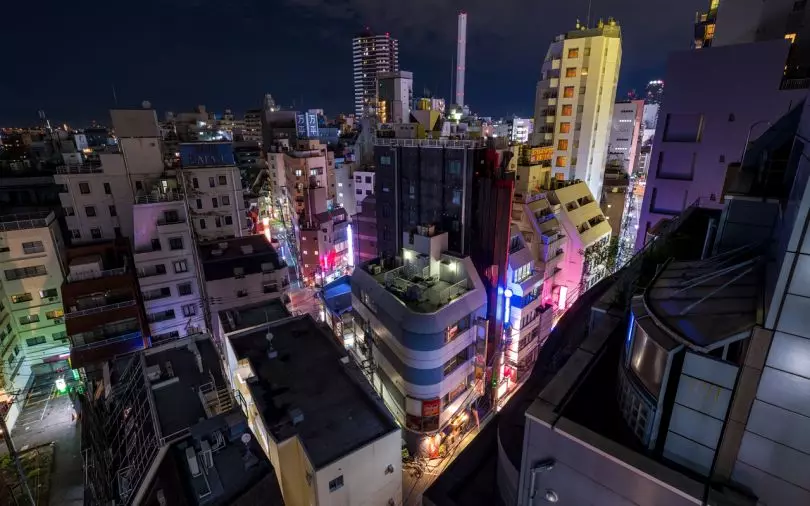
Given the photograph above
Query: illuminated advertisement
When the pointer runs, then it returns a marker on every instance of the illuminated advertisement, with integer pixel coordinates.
(206, 154)
(431, 407)
(306, 125)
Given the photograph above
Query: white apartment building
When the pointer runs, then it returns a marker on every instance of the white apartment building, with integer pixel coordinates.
(371, 56)
(32, 330)
(344, 192)
(574, 101)
(421, 325)
(213, 189)
(363, 186)
(625, 134)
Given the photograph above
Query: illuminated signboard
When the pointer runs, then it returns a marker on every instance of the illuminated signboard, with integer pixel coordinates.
(541, 154)
(206, 154)
(306, 125)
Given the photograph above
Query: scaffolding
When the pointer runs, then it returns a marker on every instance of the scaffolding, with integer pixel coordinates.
(121, 436)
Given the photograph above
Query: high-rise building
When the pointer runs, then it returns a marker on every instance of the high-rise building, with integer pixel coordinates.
(625, 134)
(371, 56)
(654, 93)
(574, 101)
(252, 131)
(704, 124)
(395, 96)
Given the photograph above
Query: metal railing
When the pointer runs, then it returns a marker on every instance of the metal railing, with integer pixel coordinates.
(27, 221)
(163, 222)
(80, 168)
(155, 198)
(99, 309)
(105, 342)
(430, 143)
(84, 276)
(795, 84)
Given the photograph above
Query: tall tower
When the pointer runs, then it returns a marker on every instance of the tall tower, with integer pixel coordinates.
(574, 101)
(461, 57)
(372, 55)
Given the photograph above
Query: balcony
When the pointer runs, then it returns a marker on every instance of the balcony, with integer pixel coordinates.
(80, 168)
(99, 309)
(157, 197)
(84, 276)
(171, 226)
(28, 221)
(83, 354)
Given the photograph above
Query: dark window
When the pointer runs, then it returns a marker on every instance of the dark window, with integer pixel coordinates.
(139, 185)
(33, 247)
(215, 202)
(202, 223)
(195, 183)
(226, 201)
(184, 289)
(199, 203)
(228, 220)
(95, 233)
(29, 319)
(45, 294)
(84, 188)
(107, 189)
(217, 222)
(368, 179)
(113, 211)
(25, 272)
(90, 211)
(176, 243)
(211, 182)
(222, 180)
(336, 484)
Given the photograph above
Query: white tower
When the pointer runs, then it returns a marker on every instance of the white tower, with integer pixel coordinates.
(461, 56)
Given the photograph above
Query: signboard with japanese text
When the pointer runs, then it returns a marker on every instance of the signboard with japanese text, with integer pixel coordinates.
(206, 154)
(306, 125)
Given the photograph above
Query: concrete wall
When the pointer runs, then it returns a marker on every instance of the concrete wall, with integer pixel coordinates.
(367, 480)
(701, 83)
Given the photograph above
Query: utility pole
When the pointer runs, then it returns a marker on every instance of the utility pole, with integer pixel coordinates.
(13, 453)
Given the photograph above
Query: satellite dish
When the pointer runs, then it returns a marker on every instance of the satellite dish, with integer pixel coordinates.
(246, 438)
(146, 104)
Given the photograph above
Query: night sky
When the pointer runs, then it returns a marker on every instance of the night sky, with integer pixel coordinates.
(64, 57)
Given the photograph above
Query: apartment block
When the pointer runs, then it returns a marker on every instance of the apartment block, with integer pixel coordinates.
(326, 433)
(32, 328)
(325, 246)
(625, 134)
(574, 101)
(421, 323)
(104, 312)
(364, 231)
(213, 187)
(240, 272)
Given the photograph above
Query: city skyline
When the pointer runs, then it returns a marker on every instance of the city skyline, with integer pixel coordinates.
(148, 58)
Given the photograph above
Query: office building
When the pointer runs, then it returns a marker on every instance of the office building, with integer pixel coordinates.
(421, 321)
(421, 181)
(325, 431)
(574, 101)
(615, 195)
(371, 56)
(164, 429)
(33, 340)
(104, 311)
(395, 96)
(212, 184)
(625, 134)
(649, 119)
(704, 124)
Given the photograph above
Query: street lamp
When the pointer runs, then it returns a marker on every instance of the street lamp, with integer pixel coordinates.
(748, 137)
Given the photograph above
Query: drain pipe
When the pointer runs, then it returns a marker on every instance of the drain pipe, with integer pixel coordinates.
(711, 230)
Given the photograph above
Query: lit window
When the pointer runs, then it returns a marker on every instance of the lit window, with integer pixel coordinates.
(567, 110)
(571, 72)
(562, 161)
(573, 53)
(562, 144)
(565, 127)
(568, 92)
(584, 71)
(788, 36)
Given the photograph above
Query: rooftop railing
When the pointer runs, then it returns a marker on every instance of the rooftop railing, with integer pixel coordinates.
(84, 276)
(80, 168)
(27, 221)
(154, 198)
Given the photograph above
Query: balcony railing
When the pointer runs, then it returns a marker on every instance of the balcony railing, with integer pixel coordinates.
(163, 222)
(80, 168)
(154, 198)
(84, 276)
(25, 221)
(107, 342)
(99, 309)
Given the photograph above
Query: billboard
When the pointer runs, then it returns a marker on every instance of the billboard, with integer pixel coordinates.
(206, 154)
(306, 125)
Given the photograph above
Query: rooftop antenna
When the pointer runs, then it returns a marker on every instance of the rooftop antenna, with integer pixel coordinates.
(115, 96)
(588, 17)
